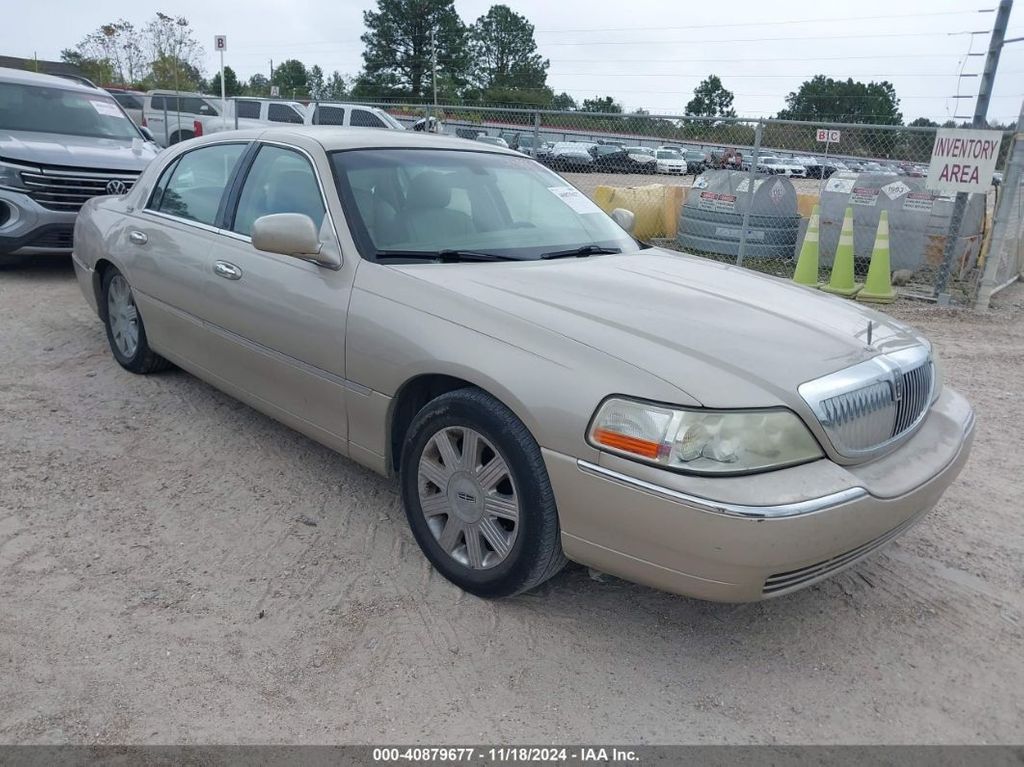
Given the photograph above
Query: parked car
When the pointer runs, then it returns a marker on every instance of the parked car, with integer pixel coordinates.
(815, 168)
(493, 141)
(338, 113)
(678, 148)
(571, 156)
(543, 153)
(671, 163)
(523, 143)
(696, 161)
(61, 143)
(781, 167)
(386, 301)
(611, 158)
(132, 102)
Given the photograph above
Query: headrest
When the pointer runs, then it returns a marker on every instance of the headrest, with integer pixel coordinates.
(429, 189)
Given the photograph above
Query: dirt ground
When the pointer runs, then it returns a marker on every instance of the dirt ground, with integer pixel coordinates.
(175, 567)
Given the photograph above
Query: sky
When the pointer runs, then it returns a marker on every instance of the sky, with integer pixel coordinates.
(647, 54)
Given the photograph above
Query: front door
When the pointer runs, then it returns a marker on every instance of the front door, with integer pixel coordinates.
(279, 321)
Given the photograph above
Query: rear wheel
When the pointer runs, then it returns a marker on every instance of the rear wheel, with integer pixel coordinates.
(125, 332)
(477, 496)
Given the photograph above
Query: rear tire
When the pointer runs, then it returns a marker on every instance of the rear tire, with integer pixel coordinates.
(477, 496)
(126, 333)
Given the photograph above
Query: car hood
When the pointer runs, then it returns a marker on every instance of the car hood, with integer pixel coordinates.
(725, 336)
(76, 151)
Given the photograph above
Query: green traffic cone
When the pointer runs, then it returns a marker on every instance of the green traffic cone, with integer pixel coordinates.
(841, 281)
(807, 264)
(878, 285)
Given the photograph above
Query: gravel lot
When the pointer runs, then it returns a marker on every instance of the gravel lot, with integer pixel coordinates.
(175, 567)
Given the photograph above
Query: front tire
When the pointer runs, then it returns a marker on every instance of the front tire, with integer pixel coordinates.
(126, 333)
(477, 496)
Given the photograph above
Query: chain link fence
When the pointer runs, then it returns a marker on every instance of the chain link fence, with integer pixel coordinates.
(743, 190)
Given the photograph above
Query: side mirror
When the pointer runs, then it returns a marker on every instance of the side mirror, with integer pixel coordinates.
(147, 133)
(291, 234)
(624, 218)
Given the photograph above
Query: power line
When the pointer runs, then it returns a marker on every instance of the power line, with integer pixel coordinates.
(724, 75)
(776, 23)
(773, 39)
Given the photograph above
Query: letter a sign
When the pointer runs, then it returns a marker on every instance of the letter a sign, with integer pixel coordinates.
(963, 160)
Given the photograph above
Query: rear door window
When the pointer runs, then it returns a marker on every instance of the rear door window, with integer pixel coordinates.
(364, 119)
(283, 113)
(329, 116)
(249, 110)
(196, 184)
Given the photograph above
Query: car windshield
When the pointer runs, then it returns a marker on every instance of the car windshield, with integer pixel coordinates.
(58, 110)
(428, 200)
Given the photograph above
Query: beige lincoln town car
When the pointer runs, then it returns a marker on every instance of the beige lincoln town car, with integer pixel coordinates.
(543, 386)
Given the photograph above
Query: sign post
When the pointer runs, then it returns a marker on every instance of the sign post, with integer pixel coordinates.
(220, 43)
(828, 136)
(962, 162)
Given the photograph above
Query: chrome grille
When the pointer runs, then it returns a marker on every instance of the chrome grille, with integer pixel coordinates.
(869, 406)
(67, 189)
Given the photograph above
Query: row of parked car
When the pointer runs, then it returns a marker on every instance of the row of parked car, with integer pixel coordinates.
(607, 156)
(171, 117)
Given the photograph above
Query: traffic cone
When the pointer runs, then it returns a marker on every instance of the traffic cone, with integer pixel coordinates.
(878, 285)
(841, 282)
(807, 264)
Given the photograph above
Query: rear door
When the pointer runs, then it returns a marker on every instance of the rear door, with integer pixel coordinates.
(280, 320)
(166, 244)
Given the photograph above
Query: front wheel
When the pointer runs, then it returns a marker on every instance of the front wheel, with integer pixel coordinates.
(477, 496)
(125, 332)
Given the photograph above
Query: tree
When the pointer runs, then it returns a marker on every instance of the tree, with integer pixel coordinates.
(258, 85)
(117, 46)
(397, 57)
(175, 56)
(823, 99)
(336, 87)
(231, 85)
(97, 70)
(923, 122)
(606, 104)
(292, 78)
(505, 55)
(711, 99)
(564, 102)
(315, 83)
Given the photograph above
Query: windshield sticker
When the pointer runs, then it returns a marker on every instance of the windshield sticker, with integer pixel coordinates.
(574, 198)
(106, 108)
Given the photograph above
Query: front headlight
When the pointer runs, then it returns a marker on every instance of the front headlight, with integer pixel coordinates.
(703, 441)
(10, 175)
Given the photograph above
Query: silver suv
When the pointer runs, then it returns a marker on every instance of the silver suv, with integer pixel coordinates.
(61, 142)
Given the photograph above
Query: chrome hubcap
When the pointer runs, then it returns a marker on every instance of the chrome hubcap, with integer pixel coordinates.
(123, 316)
(468, 497)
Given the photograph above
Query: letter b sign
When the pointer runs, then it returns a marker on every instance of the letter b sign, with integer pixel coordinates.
(220, 42)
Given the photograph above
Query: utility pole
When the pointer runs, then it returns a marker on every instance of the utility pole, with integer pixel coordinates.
(433, 76)
(988, 78)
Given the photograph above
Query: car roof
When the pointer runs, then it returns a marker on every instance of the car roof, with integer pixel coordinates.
(333, 138)
(21, 77)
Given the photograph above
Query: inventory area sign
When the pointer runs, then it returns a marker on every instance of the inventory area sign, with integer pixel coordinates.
(963, 160)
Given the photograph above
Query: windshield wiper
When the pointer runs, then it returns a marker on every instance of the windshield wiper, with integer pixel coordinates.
(446, 256)
(585, 250)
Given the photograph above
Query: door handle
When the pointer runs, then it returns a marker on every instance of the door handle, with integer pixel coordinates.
(226, 270)
(138, 238)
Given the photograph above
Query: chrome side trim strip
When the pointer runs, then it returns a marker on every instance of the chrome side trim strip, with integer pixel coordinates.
(798, 508)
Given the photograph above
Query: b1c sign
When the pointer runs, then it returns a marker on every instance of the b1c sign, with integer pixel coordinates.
(828, 136)
(963, 160)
